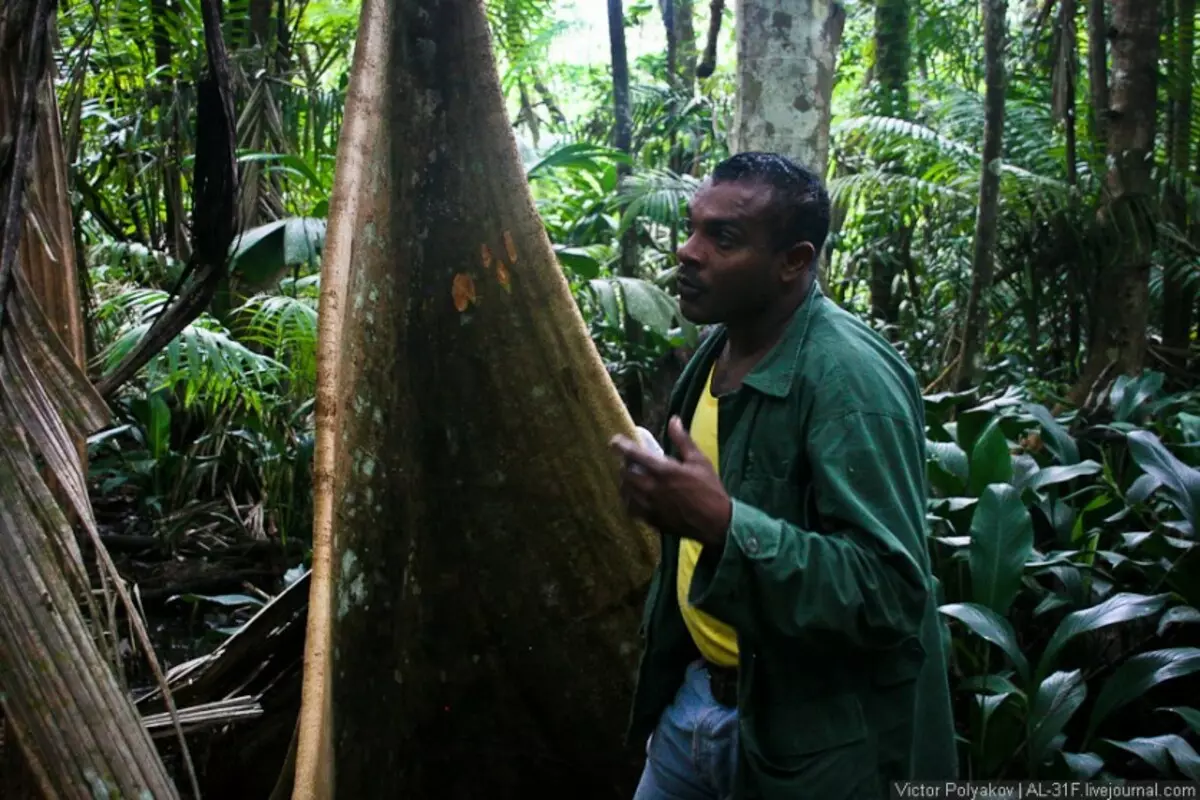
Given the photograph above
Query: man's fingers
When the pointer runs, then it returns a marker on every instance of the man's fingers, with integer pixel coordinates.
(687, 447)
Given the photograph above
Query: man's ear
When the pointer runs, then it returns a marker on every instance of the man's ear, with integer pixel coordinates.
(797, 259)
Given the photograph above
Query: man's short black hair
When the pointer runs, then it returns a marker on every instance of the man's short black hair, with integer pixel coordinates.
(800, 203)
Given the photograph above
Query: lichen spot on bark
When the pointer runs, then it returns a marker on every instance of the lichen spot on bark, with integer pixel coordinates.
(510, 247)
(352, 588)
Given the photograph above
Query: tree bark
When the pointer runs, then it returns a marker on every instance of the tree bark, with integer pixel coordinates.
(680, 21)
(1098, 72)
(477, 586)
(974, 336)
(1178, 298)
(623, 141)
(787, 52)
(891, 74)
(1119, 338)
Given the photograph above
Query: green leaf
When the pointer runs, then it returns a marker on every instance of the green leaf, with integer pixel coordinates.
(645, 302)
(229, 600)
(1189, 715)
(1001, 543)
(949, 470)
(1050, 476)
(1178, 615)
(1140, 674)
(1057, 699)
(990, 626)
(1119, 608)
(1160, 751)
(261, 254)
(1083, 766)
(1141, 489)
(1057, 440)
(1180, 482)
(990, 459)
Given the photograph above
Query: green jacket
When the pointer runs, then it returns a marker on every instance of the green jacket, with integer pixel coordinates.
(825, 574)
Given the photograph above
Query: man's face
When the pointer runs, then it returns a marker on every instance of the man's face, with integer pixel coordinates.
(729, 267)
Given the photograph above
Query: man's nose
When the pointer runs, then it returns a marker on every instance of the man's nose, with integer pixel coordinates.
(688, 252)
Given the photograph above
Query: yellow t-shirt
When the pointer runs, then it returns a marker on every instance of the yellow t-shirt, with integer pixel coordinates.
(716, 640)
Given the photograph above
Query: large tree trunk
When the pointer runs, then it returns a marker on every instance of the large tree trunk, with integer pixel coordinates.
(1119, 339)
(1178, 298)
(974, 330)
(476, 584)
(787, 52)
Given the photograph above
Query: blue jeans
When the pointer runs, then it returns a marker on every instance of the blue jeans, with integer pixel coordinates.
(693, 753)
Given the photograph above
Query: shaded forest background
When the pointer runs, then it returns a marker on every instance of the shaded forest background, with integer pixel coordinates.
(1016, 210)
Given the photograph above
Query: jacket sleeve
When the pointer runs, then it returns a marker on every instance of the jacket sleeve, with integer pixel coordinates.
(859, 578)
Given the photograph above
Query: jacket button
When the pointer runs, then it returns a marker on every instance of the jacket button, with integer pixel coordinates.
(752, 545)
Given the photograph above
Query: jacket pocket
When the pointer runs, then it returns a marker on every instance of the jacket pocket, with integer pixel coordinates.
(817, 749)
(783, 734)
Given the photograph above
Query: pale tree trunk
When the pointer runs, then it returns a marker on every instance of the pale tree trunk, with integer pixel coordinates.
(787, 52)
(60, 698)
(477, 586)
(1179, 299)
(974, 329)
(1119, 338)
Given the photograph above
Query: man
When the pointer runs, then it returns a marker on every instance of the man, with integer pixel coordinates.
(792, 643)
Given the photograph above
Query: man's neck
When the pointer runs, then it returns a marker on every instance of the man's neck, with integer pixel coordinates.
(750, 340)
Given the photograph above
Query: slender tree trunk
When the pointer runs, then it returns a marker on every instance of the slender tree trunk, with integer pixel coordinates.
(1119, 340)
(631, 388)
(787, 51)
(1098, 72)
(1178, 298)
(975, 322)
(476, 586)
(891, 76)
(680, 25)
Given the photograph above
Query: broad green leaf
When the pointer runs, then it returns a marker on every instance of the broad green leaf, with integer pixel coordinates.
(261, 254)
(990, 459)
(1140, 674)
(1057, 440)
(1048, 476)
(1119, 608)
(1083, 766)
(1176, 616)
(1057, 699)
(1141, 489)
(1130, 393)
(586, 262)
(1160, 751)
(991, 626)
(948, 468)
(1189, 715)
(1180, 482)
(1001, 543)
